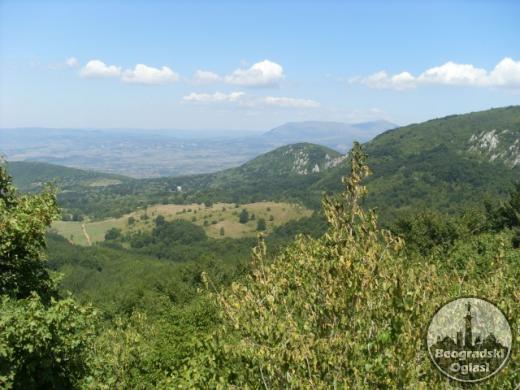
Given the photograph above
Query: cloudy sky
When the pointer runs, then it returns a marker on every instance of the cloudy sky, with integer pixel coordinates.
(231, 65)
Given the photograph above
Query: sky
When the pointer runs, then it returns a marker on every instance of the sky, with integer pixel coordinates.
(252, 65)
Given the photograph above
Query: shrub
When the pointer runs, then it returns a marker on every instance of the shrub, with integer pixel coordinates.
(113, 234)
(261, 225)
(244, 216)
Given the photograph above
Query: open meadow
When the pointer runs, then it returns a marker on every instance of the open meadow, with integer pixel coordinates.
(218, 220)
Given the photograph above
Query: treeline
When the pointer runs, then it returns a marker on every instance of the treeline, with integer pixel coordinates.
(117, 200)
(427, 230)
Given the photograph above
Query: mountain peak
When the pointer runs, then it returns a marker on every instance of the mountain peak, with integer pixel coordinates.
(336, 135)
(300, 159)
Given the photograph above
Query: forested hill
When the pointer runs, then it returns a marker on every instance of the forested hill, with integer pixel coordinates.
(445, 163)
(296, 159)
(32, 175)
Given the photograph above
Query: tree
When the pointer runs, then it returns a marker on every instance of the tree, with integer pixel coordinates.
(427, 230)
(23, 223)
(44, 343)
(179, 231)
(113, 234)
(506, 215)
(244, 216)
(159, 220)
(77, 217)
(261, 225)
(515, 240)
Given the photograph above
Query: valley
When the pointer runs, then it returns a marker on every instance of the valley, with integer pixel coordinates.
(155, 153)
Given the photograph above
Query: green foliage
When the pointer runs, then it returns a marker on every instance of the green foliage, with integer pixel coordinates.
(515, 240)
(124, 355)
(113, 234)
(44, 343)
(121, 281)
(301, 321)
(345, 305)
(77, 217)
(30, 176)
(507, 214)
(181, 231)
(44, 346)
(348, 310)
(261, 225)
(427, 230)
(160, 220)
(244, 216)
(23, 222)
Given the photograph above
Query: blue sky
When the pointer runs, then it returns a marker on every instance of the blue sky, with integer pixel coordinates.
(232, 65)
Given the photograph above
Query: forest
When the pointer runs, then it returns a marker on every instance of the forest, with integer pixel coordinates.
(333, 300)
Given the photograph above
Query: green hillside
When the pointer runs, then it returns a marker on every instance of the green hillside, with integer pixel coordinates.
(444, 164)
(32, 175)
(296, 159)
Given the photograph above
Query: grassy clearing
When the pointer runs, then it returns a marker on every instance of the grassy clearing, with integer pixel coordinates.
(213, 219)
(103, 182)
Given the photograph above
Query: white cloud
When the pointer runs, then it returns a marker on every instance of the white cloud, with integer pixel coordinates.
(217, 97)
(244, 100)
(97, 68)
(261, 74)
(505, 74)
(72, 62)
(290, 102)
(141, 73)
(205, 77)
(144, 74)
(381, 79)
(452, 73)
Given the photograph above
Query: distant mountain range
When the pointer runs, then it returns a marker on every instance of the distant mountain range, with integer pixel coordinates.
(156, 153)
(335, 135)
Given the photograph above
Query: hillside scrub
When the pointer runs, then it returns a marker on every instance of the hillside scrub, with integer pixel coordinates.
(349, 309)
